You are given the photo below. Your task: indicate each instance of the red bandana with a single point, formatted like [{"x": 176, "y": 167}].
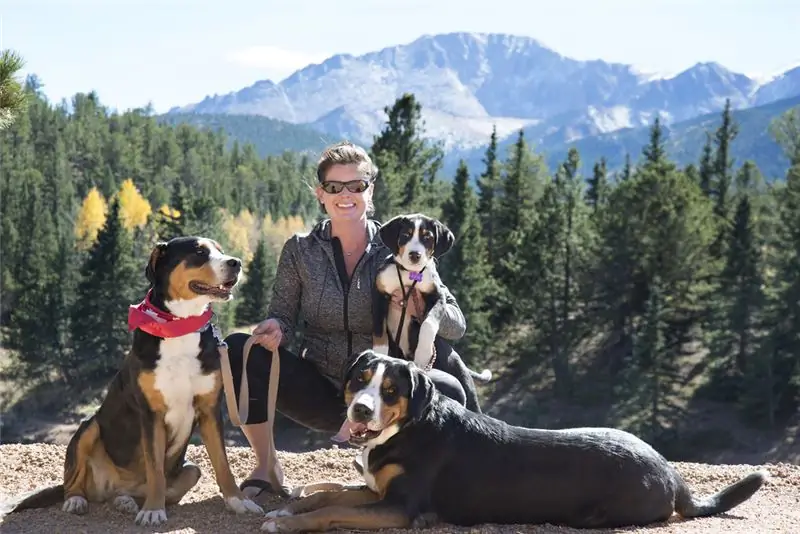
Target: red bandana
[{"x": 150, "y": 319}]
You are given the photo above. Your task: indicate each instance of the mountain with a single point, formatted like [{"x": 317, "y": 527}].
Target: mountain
[
  {"x": 683, "y": 142},
  {"x": 468, "y": 82}
]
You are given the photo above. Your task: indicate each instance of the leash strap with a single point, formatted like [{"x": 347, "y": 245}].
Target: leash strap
[
  {"x": 238, "y": 413},
  {"x": 416, "y": 297},
  {"x": 238, "y": 416}
]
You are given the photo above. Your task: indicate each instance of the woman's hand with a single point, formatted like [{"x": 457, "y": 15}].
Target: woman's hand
[
  {"x": 269, "y": 334},
  {"x": 411, "y": 305}
]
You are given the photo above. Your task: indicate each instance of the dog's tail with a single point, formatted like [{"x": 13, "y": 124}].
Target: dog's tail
[
  {"x": 38, "y": 498},
  {"x": 687, "y": 505},
  {"x": 483, "y": 376}
]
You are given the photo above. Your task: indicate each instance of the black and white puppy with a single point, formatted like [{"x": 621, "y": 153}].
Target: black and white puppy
[{"x": 416, "y": 242}]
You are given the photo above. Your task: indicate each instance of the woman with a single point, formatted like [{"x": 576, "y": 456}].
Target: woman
[{"x": 326, "y": 278}]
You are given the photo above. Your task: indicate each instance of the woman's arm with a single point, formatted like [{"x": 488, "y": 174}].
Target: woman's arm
[
  {"x": 453, "y": 323},
  {"x": 286, "y": 291}
]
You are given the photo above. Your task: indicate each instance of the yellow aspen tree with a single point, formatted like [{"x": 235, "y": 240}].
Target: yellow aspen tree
[
  {"x": 91, "y": 217},
  {"x": 237, "y": 235},
  {"x": 134, "y": 208}
]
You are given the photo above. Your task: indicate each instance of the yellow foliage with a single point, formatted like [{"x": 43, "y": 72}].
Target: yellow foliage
[
  {"x": 277, "y": 232},
  {"x": 134, "y": 209},
  {"x": 91, "y": 217},
  {"x": 243, "y": 231},
  {"x": 169, "y": 212},
  {"x": 240, "y": 231}
]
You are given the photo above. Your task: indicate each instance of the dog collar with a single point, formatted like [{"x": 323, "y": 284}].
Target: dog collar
[{"x": 150, "y": 319}]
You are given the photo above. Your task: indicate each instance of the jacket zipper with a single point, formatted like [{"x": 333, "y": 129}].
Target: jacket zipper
[{"x": 346, "y": 301}]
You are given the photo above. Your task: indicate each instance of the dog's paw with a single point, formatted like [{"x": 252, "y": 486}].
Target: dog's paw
[
  {"x": 423, "y": 356},
  {"x": 425, "y": 520},
  {"x": 151, "y": 517},
  {"x": 76, "y": 505},
  {"x": 281, "y": 524},
  {"x": 241, "y": 506},
  {"x": 126, "y": 504},
  {"x": 278, "y": 512}
]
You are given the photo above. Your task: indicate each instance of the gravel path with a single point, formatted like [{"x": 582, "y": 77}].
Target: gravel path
[{"x": 775, "y": 508}]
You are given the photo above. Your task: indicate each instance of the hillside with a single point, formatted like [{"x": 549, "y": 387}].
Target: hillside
[
  {"x": 25, "y": 467},
  {"x": 468, "y": 82},
  {"x": 269, "y": 137},
  {"x": 683, "y": 141}
]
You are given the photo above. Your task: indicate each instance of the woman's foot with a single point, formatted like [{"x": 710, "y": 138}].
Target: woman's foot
[{"x": 257, "y": 483}]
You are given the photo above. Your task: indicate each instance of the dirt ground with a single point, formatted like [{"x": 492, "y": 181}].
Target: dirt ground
[{"x": 775, "y": 508}]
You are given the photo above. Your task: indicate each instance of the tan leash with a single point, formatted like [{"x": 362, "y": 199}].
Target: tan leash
[{"x": 238, "y": 416}]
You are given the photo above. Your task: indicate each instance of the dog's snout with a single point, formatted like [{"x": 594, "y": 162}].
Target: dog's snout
[
  {"x": 234, "y": 263},
  {"x": 362, "y": 412},
  {"x": 414, "y": 256}
]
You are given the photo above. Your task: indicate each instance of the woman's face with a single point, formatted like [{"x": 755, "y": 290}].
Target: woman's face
[{"x": 345, "y": 193}]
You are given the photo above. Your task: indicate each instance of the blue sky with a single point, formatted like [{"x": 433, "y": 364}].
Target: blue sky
[{"x": 173, "y": 52}]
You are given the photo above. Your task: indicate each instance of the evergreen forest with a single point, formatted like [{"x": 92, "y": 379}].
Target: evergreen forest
[{"x": 648, "y": 298}]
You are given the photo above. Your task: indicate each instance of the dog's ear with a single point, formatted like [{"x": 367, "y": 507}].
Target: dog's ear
[
  {"x": 390, "y": 232},
  {"x": 444, "y": 239},
  {"x": 155, "y": 255},
  {"x": 356, "y": 362},
  {"x": 421, "y": 392}
]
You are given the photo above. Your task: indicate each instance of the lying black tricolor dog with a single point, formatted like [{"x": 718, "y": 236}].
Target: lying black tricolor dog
[
  {"x": 428, "y": 459},
  {"x": 133, "y": 449}
]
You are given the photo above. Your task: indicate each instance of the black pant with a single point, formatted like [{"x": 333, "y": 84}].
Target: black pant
[{"x": 304, "y": 394}]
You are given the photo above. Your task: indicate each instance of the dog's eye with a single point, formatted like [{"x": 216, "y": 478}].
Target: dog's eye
[
  {"x": 391, "y": 390},
  {"x": 201, "y": 251}
]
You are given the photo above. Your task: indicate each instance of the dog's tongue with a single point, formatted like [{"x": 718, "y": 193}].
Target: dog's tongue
[{"x": 347, "y": 428}]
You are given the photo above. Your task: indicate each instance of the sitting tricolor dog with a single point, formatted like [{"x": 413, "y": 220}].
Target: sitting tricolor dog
[{"x": 133, "y": 449}]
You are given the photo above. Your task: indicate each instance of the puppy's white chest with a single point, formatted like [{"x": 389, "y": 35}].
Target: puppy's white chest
[
  {"x": 389, "y": 281},
  {"x": 179, "y": 378}
]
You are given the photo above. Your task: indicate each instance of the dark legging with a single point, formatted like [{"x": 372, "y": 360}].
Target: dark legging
[{"x": 304, "y": 394}]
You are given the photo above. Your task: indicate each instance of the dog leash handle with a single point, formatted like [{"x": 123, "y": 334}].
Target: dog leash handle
[{"x": 238, "y": 413}]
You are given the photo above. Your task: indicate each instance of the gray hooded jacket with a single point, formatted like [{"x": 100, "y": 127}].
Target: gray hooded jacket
[{"x": 337, "y": 319}]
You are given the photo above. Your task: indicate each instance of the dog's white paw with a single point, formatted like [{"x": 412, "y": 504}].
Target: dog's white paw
[
  {"x": 126, "y": 504},
  {"x": 76, "y": 505},
  {"x": 278, "y": 512},
  {"x": 269, "y": 526},
  {"x": 422, "y": 357},
  {"x": 151, "y": 517},
  {"x": 241, "y": 506}
]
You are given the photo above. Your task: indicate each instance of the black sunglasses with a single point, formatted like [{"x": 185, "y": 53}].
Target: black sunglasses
[{"x": 354, "y": 186}]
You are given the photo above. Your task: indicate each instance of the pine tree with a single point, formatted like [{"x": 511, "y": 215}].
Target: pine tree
[
  {"x": 552, "y": 267},
  {"x": 598, "y": 185},
  {"x": 30, "y": 318},
  {"x": 627, "y": 169},
  {"x": 488, "y": 185},
  {"x": 110, "y": 281},
  {"x": 13, "y": 97},
  {"x": 782, "y": 378},
  {"x": 465, "y": 269},
  {"x": 407, "y": 162},
  {"x": 740, "y": 298},
  {"x": 722, "y": 164},
  {"x": 652, "y": 377},
  {"x": 521, "y": 185},
  {"x": 256, "y": 291},
  {"x": 707, "y": 167}
]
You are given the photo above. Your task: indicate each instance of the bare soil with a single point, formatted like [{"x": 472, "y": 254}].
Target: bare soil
[{"x": 775, "y": 508}]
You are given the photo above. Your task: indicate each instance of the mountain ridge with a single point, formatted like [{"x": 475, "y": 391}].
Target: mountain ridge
[{"x": 469, "y": 82}]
